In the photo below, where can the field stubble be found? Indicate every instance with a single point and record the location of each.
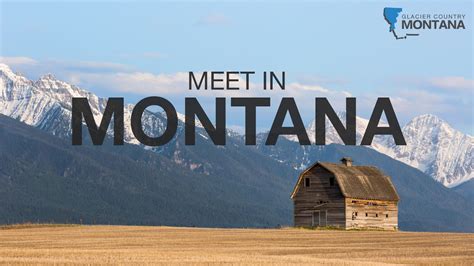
(172, 245)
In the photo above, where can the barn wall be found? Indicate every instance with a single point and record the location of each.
(307, 199)
(376, 211)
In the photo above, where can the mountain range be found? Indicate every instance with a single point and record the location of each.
(433, 147)
(46, 178)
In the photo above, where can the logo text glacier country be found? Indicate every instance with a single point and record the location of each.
(403, 25)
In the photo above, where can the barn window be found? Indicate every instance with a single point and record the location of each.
(307, 182)
(331, 181)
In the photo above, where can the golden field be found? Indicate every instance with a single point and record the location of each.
(172, 245)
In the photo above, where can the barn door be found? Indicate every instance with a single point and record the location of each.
(320, 218)
(323, 218)
(316, 218)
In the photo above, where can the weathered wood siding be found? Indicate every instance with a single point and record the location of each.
(371, 214)
(319, 196)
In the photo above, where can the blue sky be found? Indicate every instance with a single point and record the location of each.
(327, 50)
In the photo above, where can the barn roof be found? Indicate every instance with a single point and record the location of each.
(360, 182)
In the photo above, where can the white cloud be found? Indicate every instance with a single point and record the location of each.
(62, 68)
(17, 61)
(123, 78)
(143, 83)
(146, 83)
(453, 83)
(315, 88)
(422, 101)
(455, 108)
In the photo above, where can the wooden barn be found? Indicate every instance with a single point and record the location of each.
(345, 196)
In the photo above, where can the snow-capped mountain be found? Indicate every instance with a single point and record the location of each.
(437, 149)
(46, 104)
(433, 147)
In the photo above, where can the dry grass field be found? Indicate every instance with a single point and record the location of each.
(170, 245)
